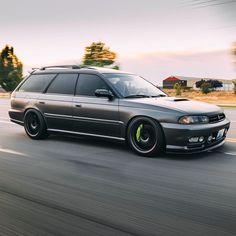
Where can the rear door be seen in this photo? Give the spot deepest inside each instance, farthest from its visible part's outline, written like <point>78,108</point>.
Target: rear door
<point>95,115</point>
<point>56,102</point>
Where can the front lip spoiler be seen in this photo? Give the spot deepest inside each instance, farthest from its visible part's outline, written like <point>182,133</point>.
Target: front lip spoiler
<point>182,150</point>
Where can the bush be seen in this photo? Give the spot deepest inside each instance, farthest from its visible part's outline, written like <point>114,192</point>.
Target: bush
<point>177,88</point>
<point>206,87</point>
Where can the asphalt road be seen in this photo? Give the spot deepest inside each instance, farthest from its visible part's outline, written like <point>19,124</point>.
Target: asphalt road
<point>75,186</point>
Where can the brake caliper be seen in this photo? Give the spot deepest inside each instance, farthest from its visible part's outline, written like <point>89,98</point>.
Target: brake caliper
<point>138,132</point>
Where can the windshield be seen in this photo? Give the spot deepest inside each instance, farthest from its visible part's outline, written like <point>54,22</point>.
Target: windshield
<point>133,86</point>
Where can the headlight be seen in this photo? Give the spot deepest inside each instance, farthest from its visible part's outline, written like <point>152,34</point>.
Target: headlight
<point>194,120</point>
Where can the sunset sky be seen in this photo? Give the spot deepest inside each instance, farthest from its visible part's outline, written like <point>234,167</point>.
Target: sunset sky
<point>153,38</point>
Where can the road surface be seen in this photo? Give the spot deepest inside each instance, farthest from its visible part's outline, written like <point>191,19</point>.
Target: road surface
<point>75,186</point>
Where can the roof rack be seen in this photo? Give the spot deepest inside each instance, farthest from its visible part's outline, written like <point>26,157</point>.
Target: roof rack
<point>62,66</point>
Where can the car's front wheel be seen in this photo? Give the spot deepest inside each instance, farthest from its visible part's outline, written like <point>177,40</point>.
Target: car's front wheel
<point>145,136</point>
<point>34,125</point>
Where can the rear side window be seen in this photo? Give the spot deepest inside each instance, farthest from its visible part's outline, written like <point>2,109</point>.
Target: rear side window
<point>36,83</point>
<point>87,84</point>
<point>63,84</point>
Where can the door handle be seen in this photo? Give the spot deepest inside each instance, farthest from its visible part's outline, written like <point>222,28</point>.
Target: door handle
<point>41,102</point>
<point>78,105</point>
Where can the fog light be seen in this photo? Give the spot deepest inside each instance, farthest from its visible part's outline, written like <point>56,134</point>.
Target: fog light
<point>201,139</point>
<point>209,138</point>
<point>193,140</point>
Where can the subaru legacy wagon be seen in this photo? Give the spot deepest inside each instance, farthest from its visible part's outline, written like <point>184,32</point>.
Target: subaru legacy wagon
<point>106,103</point>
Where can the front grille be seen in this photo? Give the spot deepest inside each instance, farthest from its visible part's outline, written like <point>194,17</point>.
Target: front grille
<point>217,118</point>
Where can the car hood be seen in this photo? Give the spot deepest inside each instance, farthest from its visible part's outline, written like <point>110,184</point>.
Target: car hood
<point>179,104</point>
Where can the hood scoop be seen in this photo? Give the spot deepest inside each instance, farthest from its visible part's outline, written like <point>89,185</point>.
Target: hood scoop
<point>180,99</point>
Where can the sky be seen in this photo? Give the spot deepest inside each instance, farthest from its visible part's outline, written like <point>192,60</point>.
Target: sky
<point>153,38</point>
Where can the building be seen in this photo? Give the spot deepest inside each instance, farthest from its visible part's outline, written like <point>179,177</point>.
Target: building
<point>172,80</point>
<point>189,82</point>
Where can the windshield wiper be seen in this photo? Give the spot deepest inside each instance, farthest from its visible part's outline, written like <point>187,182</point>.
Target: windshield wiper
<point>158,96</point>
<point>137,96</point>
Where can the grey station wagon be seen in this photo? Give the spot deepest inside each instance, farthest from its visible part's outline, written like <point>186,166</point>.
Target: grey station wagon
<point>111,104</point>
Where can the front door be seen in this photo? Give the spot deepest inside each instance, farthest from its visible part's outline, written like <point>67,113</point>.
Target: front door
<point>95,115</point>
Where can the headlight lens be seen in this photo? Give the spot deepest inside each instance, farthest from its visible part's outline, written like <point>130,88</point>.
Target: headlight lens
<point>194,120</point>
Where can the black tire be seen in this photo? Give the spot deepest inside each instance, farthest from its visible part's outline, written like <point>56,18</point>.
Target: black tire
<point>145,136</point>
<point>34,125</point>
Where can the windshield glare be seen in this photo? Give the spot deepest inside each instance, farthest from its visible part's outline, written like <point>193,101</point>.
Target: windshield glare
<point>133,86</point>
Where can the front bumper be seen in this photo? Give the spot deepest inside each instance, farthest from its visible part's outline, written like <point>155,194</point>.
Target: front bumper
<point>177,136</point>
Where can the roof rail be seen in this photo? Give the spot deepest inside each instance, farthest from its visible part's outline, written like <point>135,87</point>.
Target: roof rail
<point>62,66</point>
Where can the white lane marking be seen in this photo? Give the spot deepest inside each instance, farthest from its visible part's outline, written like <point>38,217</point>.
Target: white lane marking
<point>230,153</point>
<point>12,152</point>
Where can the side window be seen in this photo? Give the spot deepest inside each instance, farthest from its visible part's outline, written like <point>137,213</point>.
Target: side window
<point>36,83</point>
<point>87,84</point>
<point>63,84</point>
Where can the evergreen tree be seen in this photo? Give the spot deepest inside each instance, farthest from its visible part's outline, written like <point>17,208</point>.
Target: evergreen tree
<point>10,69</point>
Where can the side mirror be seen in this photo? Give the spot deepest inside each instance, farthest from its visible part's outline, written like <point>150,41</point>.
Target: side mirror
<point>104,93</point>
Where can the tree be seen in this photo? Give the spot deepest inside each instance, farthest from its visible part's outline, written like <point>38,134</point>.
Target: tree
<point>199,83</point>
<point>177,87</point>
<point>97,54</point>
<point>216,83</point>
<point>10,69</point>
<point>208,85</point>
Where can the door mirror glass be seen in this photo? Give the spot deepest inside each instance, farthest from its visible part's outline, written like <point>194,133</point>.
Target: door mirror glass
<point>104,93</point>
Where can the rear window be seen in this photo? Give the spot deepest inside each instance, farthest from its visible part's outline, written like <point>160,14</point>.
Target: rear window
<point>36,83</point>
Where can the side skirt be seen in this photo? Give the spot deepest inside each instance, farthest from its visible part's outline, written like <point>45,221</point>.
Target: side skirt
<point>86,134</point>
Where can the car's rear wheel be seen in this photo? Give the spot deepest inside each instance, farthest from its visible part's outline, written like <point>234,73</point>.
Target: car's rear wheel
<point>34,125</point>
<point>145,136</point>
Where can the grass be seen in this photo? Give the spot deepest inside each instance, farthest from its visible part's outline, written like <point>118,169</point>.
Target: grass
<point>223,98</point>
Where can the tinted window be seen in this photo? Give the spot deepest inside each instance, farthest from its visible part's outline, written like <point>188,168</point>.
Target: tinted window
<point>36,83</point>
<point>129,85</point>
<point>87,84</point>
<point>63,84</point>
